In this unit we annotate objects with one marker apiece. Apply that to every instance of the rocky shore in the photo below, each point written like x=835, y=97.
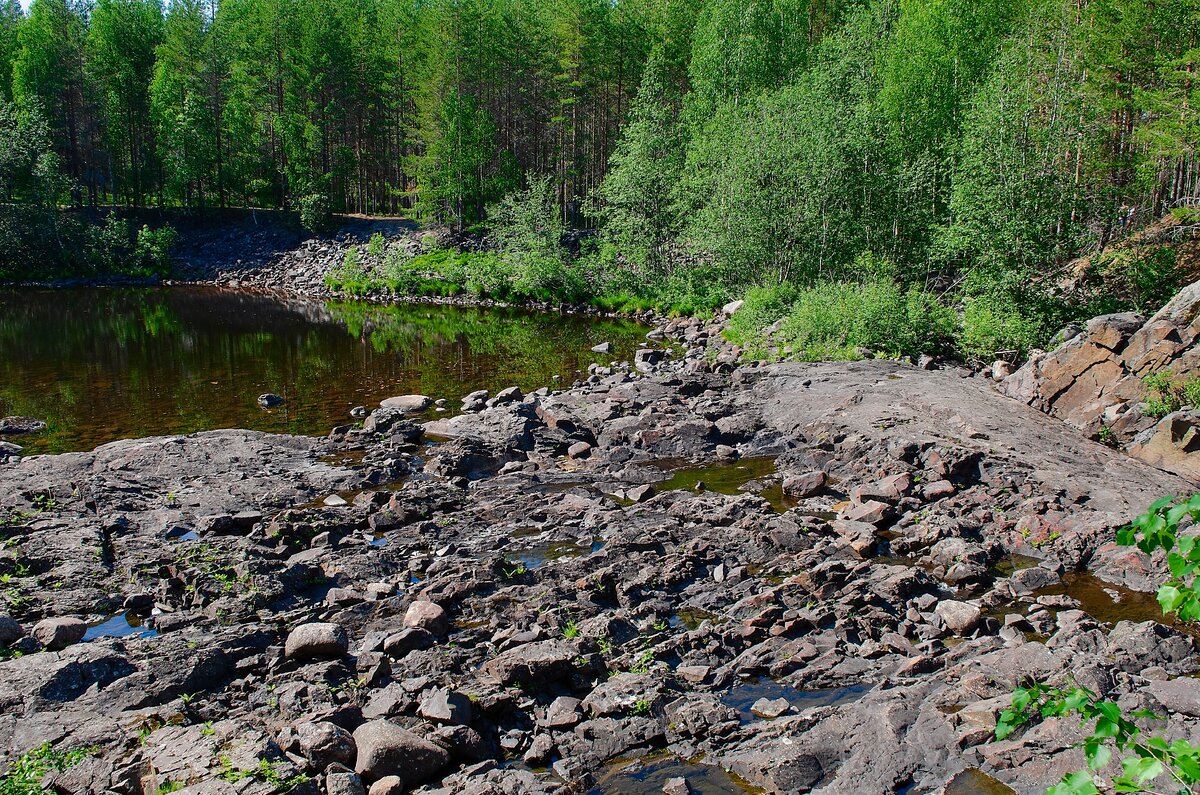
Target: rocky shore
x=679, y=575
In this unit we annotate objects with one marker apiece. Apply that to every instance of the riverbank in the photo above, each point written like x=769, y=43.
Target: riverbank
x=529, y=596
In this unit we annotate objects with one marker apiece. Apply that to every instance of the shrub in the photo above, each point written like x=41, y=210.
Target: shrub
x=763, y=306
x=994, y=327
x=153, y=249
x=831, y=320
x=376, y=245
x=314, y=211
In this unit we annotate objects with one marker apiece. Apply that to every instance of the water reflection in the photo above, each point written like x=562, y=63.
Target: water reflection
x=103, y=364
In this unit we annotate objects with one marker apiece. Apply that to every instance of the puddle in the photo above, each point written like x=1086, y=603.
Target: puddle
x=976, y=782
x=121, y=625
x=535, y=556
x=691, y=618
x=1095, y=597
x=726, y=478
x=379, y=540
x=742, y=697
x=649, y=776
x=1010, y=564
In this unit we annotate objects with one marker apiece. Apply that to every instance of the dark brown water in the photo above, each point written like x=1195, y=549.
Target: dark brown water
x=104, y=364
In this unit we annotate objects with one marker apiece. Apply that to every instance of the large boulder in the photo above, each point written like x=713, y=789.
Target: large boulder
x=428, y=616
x=531, y=663
x=410, y=404
x=10, y=631
x=385, y=749
x=1172, y=444
x=18, y=426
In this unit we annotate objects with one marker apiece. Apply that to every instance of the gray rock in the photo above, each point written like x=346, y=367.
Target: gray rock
x=270, y=400
x=316, y=641
x=770, y=708
x=19, y=426
x=563, y=713
x=385, y=749
x=531, y=663
x=10, y=631
x=604, y=347
x=959, y=617
x=579, y=450
x=409, y=404
x=446, y=706
x=59, y=633
x=343, y=782
x=732, y=307
x=323, y=743
x=678, y=786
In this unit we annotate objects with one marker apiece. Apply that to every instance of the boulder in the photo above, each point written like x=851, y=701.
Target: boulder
x=317, y=640
x=1171, y=445
x=959, y=617
x=604, y=347
x=385, y=749
x=446, y=706
x=732, y=307
x=428, y=616
x=19, y=426
x=10, y=631
x=270, y=400
x=388, y=785
x=323, y=743
x=59, y=633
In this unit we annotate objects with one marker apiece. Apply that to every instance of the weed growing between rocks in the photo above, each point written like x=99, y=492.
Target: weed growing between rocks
x=1146, y=758
x=25, y=775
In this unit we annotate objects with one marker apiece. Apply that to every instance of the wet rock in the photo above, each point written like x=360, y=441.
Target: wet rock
x=385, y=749
x=408, y=404
x=20, y=426
x=270, y=400
x=58, y=633
x=678, y=786
x=317, y=640
x=428, y=616
x=770, y=708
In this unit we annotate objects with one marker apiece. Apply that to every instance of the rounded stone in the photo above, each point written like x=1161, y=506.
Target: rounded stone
x=10, y=631
x=388, y=785
x=59, y=633
x=428, y=616
x=316, y=640
x=385, y=749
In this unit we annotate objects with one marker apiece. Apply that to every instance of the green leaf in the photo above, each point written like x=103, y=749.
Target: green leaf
x=1170, y=598
x=1077, y=783
x=1141, y=769
x=1126, y=536
x=1098, y=755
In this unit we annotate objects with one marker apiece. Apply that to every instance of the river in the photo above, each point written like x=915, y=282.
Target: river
x=100, y=364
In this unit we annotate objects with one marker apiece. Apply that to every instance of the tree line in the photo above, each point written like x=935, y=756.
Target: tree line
x=997, y=151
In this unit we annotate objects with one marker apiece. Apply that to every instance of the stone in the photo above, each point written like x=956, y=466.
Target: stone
x=872, y=512
x=1180, y=695
x=409, y=404
x=937, y=489
x=270, y=400
x=1172, y=444
x=385, y=749
x=770, y=708
x=563, y=713
x=640, y=493
x=20, y=426
x=540, y=752
x=59, y=633
x=408, y=640
x=10, y=631
x=446, y=706
x=647, y=359
x=343, y=782
x=531, y=663
x=732, y=307
x=604, y=347
x=1001, y=370
x=677, y=786
x=579, y=450
x=510, y=395
x=959, y=617
x=323, y=743
x=388, y=785
x=428, y=616
x=807, y=484
x=316, y=640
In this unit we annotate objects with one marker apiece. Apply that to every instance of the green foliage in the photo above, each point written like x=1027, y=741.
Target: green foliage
x=763, y=306
x=24, y=776
x=153, y=249
x=1159, y=528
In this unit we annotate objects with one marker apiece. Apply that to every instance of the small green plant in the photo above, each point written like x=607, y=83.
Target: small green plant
x=571, y=630
x=1163, y=396
x=641, y=707
x=169, y=786
x=376, y=245
x=24, y=776
x=643, y=663
x=1107, y=437
x=661, y=625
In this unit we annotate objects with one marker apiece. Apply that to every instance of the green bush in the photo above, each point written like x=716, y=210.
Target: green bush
x=376, y=245
x=832, y=319
x=763, y=306
x=994, y=327
x=314, y=209
x=153, y=249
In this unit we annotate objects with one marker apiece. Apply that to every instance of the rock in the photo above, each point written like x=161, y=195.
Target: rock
x=532, y=663
x=678, y=786
x=428, y=616
x=510, y=395
x=385, y=749
x=808, y=484
x=871, y=512
x=732, y=307
x=1001, y=370
x=640, y=493
x=20, y=426
x=270, y=400
x=343, y=782
x=10, y=449
x=959, y=617
x=359, y=412
x=407, y=640
x=446, y=706
x=10, y=631
x=388, y=785
x=317, y=640
x=770, y=708
x=59, y=633
x=563, y=713
x=1180, y=695
x=579, y=450
x=604, y=347
x=323, y=743
x=409, y=404
x=540, y=752
x=1172, y=444
x=646, y=359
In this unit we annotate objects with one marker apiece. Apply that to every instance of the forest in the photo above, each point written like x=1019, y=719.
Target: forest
x=899, y=175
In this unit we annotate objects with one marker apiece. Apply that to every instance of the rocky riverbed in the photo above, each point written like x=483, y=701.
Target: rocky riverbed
x=679, y=575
